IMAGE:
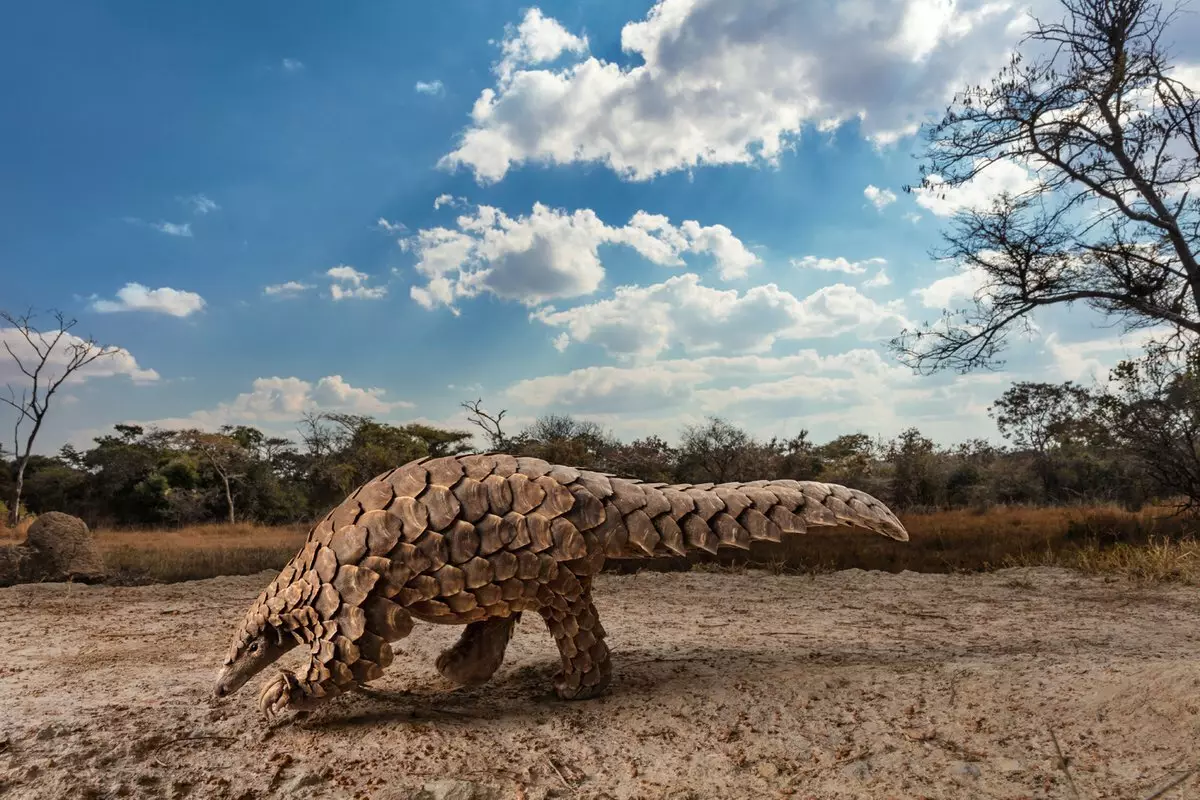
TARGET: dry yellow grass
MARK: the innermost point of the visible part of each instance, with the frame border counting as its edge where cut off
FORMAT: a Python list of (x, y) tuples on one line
[(194, 552), (1098, 539)]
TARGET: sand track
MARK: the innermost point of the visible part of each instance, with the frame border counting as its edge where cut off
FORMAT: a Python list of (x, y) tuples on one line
[(847, 685)]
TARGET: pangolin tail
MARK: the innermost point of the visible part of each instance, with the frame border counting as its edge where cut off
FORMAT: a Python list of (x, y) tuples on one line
[(649, 519)]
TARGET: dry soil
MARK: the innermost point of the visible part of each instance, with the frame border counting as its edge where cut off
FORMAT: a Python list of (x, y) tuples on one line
[(853, 684)]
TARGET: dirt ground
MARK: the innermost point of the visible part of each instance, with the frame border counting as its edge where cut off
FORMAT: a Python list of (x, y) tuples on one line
[(853, 684)]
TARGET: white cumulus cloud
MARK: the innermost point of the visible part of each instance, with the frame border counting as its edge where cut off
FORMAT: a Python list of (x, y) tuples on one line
[(287, 289), (349, 283), (838, 264), (553, 254), (709, 82), (121, 362), (1002, 176), (136, 297), (642, 322), (880, 198), (432, 88)]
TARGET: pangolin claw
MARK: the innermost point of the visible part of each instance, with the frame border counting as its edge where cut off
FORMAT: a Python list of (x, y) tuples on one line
[(278, 694)]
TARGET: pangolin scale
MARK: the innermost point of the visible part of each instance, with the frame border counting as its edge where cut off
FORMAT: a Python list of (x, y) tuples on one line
[(477, 539)]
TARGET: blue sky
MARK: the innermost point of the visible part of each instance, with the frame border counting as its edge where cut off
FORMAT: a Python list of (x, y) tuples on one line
[(707, 221)]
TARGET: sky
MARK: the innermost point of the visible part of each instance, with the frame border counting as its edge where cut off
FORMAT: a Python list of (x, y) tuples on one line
[(640, 213)]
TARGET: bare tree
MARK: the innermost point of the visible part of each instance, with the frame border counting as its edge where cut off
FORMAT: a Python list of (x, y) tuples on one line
[(489, 424), (53, 358), (1112, 217)]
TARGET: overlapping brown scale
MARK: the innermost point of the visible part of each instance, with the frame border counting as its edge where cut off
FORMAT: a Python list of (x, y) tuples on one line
[(450, 580), (413, 515), (433, 545), (564, 474), (478, 467), (375, 648), (441, 505), (670, 534), (409, 557), (347, 651), (612, 532), (761, 497), (540, 532), (504, 565), (697, 533), (528, 565), (735, 501), (627, 496), (599, 485), (568, 542), (462, 541), (346, 513), (707, 503), (787, 521), (304, 559), (587, 511), (681, 502), (387, 619), (444, 471), (461, 603), (472, 498), (409, 481), (642, 533), (375, 495), (354, 583), (487, 595), (557, 500), (490, 534), (351, 620), (382, 530), (816, 514), (515, 531), (340, 673), (364, 671), (532, 467), (499, 492), (526, 493), (349, 544), (418, 589), (729, 532), (477, 572), (322, 532), (759, 526), (505, 464)]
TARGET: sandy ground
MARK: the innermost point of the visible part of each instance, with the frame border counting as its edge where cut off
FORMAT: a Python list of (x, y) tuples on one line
[(853, 684)]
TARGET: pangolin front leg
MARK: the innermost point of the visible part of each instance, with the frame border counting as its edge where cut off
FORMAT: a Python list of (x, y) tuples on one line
[(337, 664), (573, 622), (479, 651)]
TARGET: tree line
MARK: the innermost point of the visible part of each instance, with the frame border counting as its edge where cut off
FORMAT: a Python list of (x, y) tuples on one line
[(1129, 443)]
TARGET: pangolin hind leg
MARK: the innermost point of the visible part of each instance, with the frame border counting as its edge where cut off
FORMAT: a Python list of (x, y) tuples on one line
[(479, 651), (573, 622)]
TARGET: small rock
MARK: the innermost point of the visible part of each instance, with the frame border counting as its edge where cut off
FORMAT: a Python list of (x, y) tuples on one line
[(304, 778), (48, 732), (1007, 765), (857, 769), (967, 769), (454, 789), (767, 769)]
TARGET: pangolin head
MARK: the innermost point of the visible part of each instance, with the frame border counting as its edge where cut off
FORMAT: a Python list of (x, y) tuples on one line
[(257, 643)]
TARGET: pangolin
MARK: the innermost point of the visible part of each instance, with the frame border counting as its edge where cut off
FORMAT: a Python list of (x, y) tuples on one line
[(476, 540)]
